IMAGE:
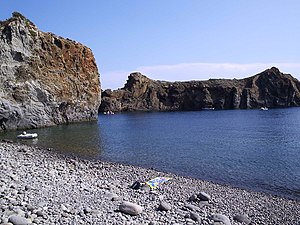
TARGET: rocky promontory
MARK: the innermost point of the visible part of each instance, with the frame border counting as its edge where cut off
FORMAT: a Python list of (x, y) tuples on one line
[(270, 88), (44, 79)]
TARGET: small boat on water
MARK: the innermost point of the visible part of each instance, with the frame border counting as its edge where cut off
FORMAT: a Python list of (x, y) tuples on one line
[(25, 135), (264, 108), (109, 113), (208, 108)]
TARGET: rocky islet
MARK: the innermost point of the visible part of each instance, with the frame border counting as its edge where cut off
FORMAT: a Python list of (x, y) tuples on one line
[(270, 88), (39, 186)]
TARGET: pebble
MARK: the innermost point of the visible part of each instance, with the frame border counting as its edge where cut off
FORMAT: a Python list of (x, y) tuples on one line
[(202, 204), (18, 220), (4, 220), (192, 207), (27, 188), (221, 218), (195, 217), (40, 213), (130, 208), (203, 196), (87, 210), (30, 207), (193, 198), (64, 208), (181, 212), (95, 212), (164, 206), (243, 219)]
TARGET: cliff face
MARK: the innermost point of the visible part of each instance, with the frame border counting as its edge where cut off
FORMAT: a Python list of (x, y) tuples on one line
[(270, 88), (44, 79)]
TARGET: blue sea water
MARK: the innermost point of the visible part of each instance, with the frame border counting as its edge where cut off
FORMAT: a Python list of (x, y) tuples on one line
[(251, 149)]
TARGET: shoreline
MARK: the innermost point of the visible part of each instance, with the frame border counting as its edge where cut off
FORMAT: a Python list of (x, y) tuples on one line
[(45, 187)]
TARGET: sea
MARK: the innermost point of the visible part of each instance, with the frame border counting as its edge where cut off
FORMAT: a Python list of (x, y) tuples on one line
[(250, 149)]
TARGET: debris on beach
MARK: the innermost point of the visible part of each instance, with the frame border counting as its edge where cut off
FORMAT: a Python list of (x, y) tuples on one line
[(137, 185)]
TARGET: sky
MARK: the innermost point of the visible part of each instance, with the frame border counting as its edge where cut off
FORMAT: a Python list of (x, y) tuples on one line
[(174, 40)]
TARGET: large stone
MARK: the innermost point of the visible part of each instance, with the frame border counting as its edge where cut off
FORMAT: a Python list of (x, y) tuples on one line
[(221, 218), (195, 217), (44, 79), (242, 219), (130, 208), (136, 185), (164, 206), (203, 196), (270, 88), (19, 220)]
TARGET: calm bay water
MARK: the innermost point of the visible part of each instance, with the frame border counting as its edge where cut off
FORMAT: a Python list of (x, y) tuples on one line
[(252, 149)]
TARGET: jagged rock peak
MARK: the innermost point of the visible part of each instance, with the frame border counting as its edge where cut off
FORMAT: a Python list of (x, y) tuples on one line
[(134, 79), (44, 79), (274, 70), (19, 16), (137, 77), (271, 71)]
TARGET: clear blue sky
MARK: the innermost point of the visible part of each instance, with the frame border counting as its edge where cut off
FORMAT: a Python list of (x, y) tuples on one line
[(174, 39)]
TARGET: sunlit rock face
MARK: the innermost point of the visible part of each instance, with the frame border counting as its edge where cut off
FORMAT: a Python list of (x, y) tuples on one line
[(44, 79), (270, 88)]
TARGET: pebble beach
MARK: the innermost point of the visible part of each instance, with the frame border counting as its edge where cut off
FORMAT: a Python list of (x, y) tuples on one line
[(40, 186)]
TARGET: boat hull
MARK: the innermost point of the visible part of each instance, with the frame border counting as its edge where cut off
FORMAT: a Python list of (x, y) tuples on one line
[(27, 136)]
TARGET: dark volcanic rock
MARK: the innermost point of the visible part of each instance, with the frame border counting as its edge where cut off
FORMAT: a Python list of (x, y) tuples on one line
[(270, 88), (44, 79)]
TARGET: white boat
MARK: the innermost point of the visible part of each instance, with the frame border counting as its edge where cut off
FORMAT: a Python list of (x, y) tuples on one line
[(24, 135), (264, 108), (109, 113), (208, 108)]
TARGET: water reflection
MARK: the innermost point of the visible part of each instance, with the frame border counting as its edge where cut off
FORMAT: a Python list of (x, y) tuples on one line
[(81, 139)]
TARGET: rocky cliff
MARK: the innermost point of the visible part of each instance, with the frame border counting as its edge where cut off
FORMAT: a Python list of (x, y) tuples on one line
[(44, 79), (271, 88)]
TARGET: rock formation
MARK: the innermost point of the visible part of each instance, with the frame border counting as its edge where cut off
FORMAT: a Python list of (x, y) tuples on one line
[(271, 88), (44, 79)]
